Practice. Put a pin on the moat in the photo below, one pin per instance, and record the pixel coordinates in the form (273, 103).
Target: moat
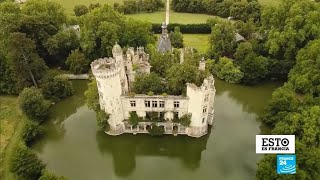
(74, 147)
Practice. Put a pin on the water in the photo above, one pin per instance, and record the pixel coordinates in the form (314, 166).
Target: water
(75, 148)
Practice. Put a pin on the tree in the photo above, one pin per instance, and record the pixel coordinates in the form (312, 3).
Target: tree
(178, 75)
(24, 61)
(25, 163)
(222, 40)
(42, 19)
(185, 120)
(7, 79)
(134, 119)
(80, 10)
(289, 27)
(148, 82)
(160, 63)
(60, 45)
(104, 27)
(176, 38)
(226, 70)
(49, 176)
(92, 96)
(255, 69)
(33, 104)
(243, 49)
(56, 88)
(283, 101)
(102, 119)
(77, 62)
(31, 131)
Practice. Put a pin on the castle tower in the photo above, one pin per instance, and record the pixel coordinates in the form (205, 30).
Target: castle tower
(201, 106)
(118, 56)
(107, 72)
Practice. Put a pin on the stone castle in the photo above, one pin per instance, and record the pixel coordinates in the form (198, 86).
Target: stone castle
(114, 77)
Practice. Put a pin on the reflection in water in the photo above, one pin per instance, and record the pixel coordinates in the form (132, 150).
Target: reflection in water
(74, 147)
(125, 148)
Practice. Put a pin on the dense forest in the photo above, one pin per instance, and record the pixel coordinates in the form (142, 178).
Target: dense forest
(261, 43)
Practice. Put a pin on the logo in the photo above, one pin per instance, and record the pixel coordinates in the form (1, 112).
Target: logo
(275, 144)
(286, 164)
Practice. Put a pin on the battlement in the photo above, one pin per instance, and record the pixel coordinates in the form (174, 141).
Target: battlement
(105, 67)
(208, 83)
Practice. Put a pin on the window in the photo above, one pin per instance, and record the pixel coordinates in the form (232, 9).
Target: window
(154, 103)
(204, 110)
(161, 115)
(133, 103)
(161, 104)
(176, 115)
(101, 95)
(176, 104)
(206, 98)
(203, 119)
(147, 103)
(98, 83)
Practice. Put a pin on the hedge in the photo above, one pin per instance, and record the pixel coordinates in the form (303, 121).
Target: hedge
(184, 28)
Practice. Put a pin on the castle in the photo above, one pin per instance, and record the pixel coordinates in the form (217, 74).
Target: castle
(114, 77)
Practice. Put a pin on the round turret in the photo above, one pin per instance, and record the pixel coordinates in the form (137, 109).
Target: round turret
(116, 50)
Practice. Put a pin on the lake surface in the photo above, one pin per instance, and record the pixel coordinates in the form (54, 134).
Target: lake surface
(75, 148)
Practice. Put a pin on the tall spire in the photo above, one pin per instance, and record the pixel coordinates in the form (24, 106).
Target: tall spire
(164, 44)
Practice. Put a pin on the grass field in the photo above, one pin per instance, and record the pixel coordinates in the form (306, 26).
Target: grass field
(183, 18)
(12, 123)
(198, 41)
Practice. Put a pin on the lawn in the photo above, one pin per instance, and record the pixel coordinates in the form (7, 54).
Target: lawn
(198, 41)
(182, 18)
(11, 125)
(9, 114)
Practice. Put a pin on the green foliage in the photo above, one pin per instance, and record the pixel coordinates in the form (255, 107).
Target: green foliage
(7, 79)
(135, 6)
(134, 119)
(25, 163)
(255, 69)
(176, 38)
(102, 119)
(156, 130)
(225, 69)
(103, 27)
(56, 88)
(242, 10)
(77, 62)
(290, 27)
(80, 10)
(159, 62)
(222, 40)
(283, 100)
(180, 74)
(31, 132)
(92, 96)
(185, 120)
(60, 45)
(305, 76)
(41, 20)
(296, 110)
(27, 66)
(49, 176)
(145, 83)
(33, 104)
